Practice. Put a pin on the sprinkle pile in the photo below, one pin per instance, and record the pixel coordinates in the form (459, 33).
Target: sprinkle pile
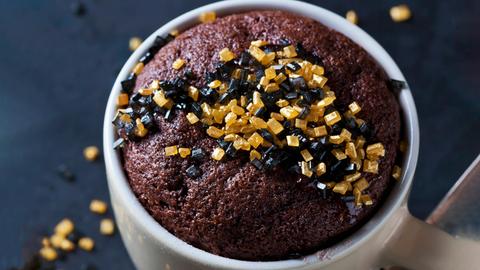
(271, 102)
(66, 238)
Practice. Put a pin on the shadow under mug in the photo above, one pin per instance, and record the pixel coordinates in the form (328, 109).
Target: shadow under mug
(391, 237)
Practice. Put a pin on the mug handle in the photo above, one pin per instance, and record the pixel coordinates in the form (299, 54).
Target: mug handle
(414, 244)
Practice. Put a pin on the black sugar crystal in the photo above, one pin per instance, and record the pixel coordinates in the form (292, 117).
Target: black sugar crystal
(128, 84)
(78, 8)
(301, 103)
(350, 123)
(365, 130)
(291, 95)
(261, 112)
(169, 37)
(224, 98)
(147, 121)
(317, 94)
(65, 173)
(128, 129)
(350, 168)
(257, 163)
(301, 50)
(285, 86)
(298, 83)
(208, 93)
(339, 166)
(223, 144)
(265, 134)
(193, 171)
(244, 59)
(234, 84)
(269, 151)
(189, 74)
(348, 198)
(146, 58)
(231, 151)
(315, 147)
(168, 115)
(196, 109)
(243, 75)
(396, 85)
(295, 169)
(259, 74)
(198, 154)
(293, 66)
(336, 129)
(159, 42)
(277, 67)
(284, 42)
(323, 140)
(287, 125)
(329, 109)
(308, 97)
(181, 106)
(320, 156)
(272, 162)
(303, 113)
(210, 77)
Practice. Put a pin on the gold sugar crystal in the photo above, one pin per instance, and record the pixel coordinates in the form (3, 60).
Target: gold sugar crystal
(400, 13)
(122, 100)
(255, 140)
(397, 172)
(274, 126)
(218, 153)
(320, 169)
(192, 118)
(354, 108)
(171, 150)
(341, 188)
(207, 17)
(332, 118)
(184, 152)
(370, 166)
(226, 55)
(306, 155)
(293, 141)
(178, 64)
(306, 169)
(351, 16)
(215, 132)
(257, 53)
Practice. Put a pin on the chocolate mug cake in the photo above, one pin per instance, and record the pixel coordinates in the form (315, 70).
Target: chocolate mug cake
(259, 136)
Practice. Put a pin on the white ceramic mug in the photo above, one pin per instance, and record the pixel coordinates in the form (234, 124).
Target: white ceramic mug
(391, 237)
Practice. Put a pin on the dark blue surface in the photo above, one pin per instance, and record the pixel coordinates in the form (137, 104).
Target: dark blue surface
(56, 71)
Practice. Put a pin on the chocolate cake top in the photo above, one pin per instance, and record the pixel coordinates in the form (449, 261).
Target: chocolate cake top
(232, 207)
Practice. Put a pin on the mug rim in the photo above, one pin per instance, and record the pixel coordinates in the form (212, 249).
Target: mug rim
(117, 180)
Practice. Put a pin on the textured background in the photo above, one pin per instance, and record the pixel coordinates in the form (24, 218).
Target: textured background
(56, 71)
